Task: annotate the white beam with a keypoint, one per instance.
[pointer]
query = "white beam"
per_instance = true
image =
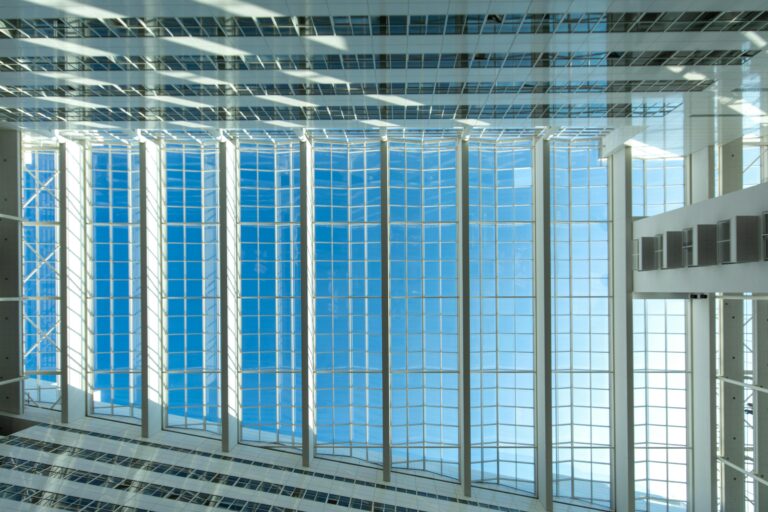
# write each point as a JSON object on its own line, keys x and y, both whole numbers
{"x": 700, "y": 352}
{"x": 308, "y": 395}
{"x": 732, "y": 403}
{"x": 229, "y": 295}
{"x": 464, "y": 348}
{"x": 385, "y": 350}
{"x": 152, "y": 283}
{"x": 73, "y": 239}
{"x": 373, "y": 44}
{"x": 11, "y": 257}
{"x": 731, "y": 176}
{"x": 700, "y": 333}
{"x": 621, "y": 279}
{"x": 341, "y": 76}
{"x": 543, "y": 316}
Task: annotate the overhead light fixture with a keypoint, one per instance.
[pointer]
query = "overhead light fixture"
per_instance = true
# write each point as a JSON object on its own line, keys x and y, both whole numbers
{"x": 182, "y": 102}
{"x": 395, "y": 100}
{"x": 72, "y": 102}
{"x": 192, "y": 77}
{"x": 284, "y": 124}
{"x": 78, "y": 9}
{"x": 202, "y": 44}
{"x": 286, "y": 100}
{"x": 240, "y": 8}
{"x": 75, "y": 79}
{"x": 379, "y": 123}
{"x": 314, "y": 76}
{"x": 190, "y": 124}
{"x": 475, "y": 123}
{"x": 69, "y": 47}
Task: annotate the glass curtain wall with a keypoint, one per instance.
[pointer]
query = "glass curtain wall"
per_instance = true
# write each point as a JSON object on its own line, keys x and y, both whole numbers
{"x": 661, "y": 371}
{"x": 115, "y": 371}
{"x": 348, "y": 295}
{"x": 40, "y": 289}
{"x": 271, "y": 294}
{"x": 581, "y": 348}
{"x": 192, "y": 366}
{"x": 501, "y": 309}
{"x": 424, "y": 306}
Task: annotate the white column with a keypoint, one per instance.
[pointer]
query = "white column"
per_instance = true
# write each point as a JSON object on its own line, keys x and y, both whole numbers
{"x": 731, "y": 176}
{"x": 621, "y": 279}
{"x": 385, "y": 385}
{"x": 700, "y": 347}
{"x": 229, "y": 301}
{"x": 731, "y": 179}
{"x": 11, "y": 365}
{"x": 73, "y": 239}
{"x": 760, "y": 399}
{"x": 308, "y": 395}
{"x": 152, "y": 282}
{"x": 732, "y": 403}
{"x": 543, "y": 315}
{"x": 700, "y": 176}
{"x": 462, "y": 242}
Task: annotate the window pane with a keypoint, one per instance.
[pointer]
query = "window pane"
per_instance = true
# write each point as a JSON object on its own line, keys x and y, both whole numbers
{"x": 192, "y": 233}
{"x": 115, "y": 375}
{"x": 271, "y": 294}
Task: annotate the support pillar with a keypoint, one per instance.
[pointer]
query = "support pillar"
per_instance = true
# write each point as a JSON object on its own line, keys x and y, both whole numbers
{"x": 229, "y": 293}
{"x": 73, "y": 239}
{"x": 543, "y": 317}
{"x": 152, "y": 279}
{"x": 622, "y": 334}
{"x": 308, "y": 395}
{"x": 732, "y": 403}
{"x": 385, "y": 385}
{"x": 11, "y": 365}
{"x": 462, "y": 242}
{"x": 760, "y": 399}
{"x": 700, "y": 347}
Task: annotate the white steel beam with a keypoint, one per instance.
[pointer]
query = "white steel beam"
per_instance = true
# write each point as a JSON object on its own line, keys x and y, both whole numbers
{"x": 621, "y": 279}
{"x": 229, "y": 294}
{"x": 11, "y": 257}
{"x": 308, "y": 395}
{"x": 385, "y": 351}
{"x": 152, "y": 283}
{"x": 700, "y": 350}
{"x": 73, "y": 308}
{"x": 244, "y": 46}
{"x": 543, "y": 316}
{"x": 732, "y": 403}
{"x": 760, "y": 400}
{"x": 464, "y": 349}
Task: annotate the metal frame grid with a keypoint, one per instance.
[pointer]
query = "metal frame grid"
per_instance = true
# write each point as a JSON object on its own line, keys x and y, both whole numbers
{"x": 658, "y": 185}
{"x": 582, "y": 370}
{"x": 661, "y": 376}
{"x": 114, "y": 373}
{"x": 348, "y": 299}
{"x": 191, "y": 370}
{"x": 40, "y": 289}
{"x": 502, "y": 314}
{"x": 424, "y": 306}
{"x": 270, "y": 295}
